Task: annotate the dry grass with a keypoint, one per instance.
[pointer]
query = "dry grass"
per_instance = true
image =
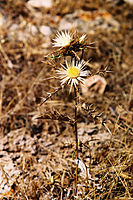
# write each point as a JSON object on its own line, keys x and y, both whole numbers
{"x": 39, "y": 140}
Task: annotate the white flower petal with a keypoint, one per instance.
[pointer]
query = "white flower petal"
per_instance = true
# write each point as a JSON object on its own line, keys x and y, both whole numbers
{"x": 62, "y": 39}
{"x": 66, "y": 73}
{"x": 81, "y": 39}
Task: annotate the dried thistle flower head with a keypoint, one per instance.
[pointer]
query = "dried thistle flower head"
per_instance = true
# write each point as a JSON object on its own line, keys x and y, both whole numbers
{"x": 69, "y": 43}
{"x": 82, "y": 38}
{"x": 73, "y": 73}
{"x": 63, "y": 39}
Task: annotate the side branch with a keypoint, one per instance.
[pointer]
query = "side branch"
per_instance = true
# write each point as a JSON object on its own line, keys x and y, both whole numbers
{"x": 51, "y": 94}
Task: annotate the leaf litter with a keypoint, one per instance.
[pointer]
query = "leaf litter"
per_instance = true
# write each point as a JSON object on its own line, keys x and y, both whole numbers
{"x": 36, "y": 142}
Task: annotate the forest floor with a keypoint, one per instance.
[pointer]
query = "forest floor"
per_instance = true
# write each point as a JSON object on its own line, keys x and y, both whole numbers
{"x": 37, "y": 142}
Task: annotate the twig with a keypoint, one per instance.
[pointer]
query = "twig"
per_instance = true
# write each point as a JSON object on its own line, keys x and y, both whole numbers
{"x": 82, "y": 54}
{"x": 51, "y": 94}
{"x": 75, "y": 55}
{"x": 10, "y": 65}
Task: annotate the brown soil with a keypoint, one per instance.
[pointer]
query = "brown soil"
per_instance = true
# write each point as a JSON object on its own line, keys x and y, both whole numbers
{"x": 37, "y": 143}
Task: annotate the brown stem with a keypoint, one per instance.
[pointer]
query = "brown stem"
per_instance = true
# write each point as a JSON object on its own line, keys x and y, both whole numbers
{"x": 51, "y": 94}
{"x": 75, "y": 55}
{"x": 76, "y": 136}
{"x": 82, "y": 55}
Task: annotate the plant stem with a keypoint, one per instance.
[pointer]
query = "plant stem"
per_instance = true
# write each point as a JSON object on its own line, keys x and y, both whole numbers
{"x": 76, "y": 136}
{"x": 82, "y": 55}
{"x": 51, "y": 94}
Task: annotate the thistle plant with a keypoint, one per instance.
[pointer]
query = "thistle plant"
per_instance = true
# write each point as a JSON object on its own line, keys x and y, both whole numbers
{"x": 72, "y": 73}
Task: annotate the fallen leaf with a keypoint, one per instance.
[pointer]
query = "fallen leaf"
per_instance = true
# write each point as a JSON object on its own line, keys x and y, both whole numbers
{"x": 96, "y": 82}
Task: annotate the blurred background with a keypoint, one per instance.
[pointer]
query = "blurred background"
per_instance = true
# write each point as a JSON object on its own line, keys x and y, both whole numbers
{"x": 37, "y": 142}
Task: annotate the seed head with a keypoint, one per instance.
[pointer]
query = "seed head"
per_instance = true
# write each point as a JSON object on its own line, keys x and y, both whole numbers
{"x": 63, "y": 39}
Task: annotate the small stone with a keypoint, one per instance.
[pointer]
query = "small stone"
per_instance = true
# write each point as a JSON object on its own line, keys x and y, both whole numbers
{"x": 129, "y": 1}
{"x": 2, "y": 21}
{"x": 45, "y": 30}
{"x": 66, "y": 25}
{"x": 32, "y": 29}
{"x": 14, "y": 27}
{"x": 124, "y": 66}
{"x": 40, "y": 3}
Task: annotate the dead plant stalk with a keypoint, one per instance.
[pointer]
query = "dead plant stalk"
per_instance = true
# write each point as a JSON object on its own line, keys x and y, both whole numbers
{"x": 76, "y": 135}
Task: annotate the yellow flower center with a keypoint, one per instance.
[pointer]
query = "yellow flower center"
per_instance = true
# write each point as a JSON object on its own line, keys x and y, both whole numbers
{"x": 73, "y": 72}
